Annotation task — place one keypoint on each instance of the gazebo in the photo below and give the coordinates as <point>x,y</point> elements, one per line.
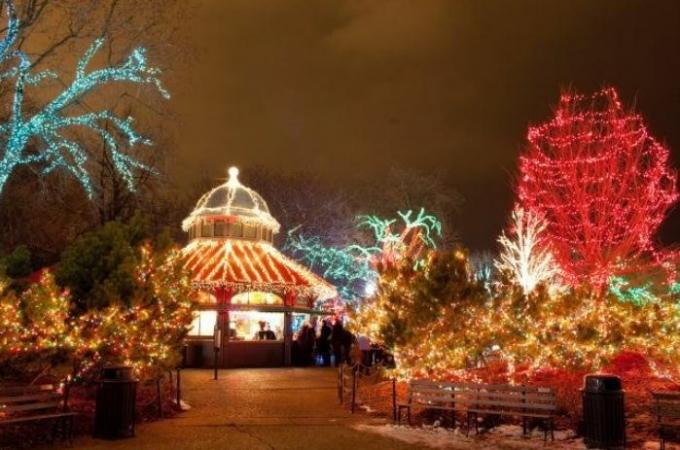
<point>250,297</point>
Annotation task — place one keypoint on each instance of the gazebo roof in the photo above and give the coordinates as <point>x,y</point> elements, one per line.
<point>251,265</point>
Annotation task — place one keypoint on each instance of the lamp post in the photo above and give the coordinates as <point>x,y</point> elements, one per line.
<point>217,344</point>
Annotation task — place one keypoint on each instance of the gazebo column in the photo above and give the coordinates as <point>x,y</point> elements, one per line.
<point>287,337</point>
<point>224,296</point>
<point>289,302</point>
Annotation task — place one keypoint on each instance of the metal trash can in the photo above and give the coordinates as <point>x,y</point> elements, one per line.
<point>116,398</point>
<point>603,412</point>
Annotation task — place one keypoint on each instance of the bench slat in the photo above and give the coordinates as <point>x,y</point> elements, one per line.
<point>38,417</point>
<point>482,388</point>
<point>529,401</point>
<point>522,398</point>
<point>27,389</point>
<point>28,398</point>
<point>666,404</point>
<point>514,413</point>
<point>30,406</point>
<point>466,395</point>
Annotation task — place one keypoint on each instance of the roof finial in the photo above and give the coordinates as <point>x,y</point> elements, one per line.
<point>233,176</point>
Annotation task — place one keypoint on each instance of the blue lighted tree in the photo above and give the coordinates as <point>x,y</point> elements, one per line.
<point>38,137</point>
<point>354,269</point>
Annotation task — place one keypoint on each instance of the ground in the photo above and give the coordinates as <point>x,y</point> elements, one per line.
<point>256,409</point>
<point>287,409</point>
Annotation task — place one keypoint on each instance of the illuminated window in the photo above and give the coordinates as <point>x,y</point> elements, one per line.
<point>235,230</point>
<point>250,231</point>
<point>206,229</point>
<point>203,323</point>
<point>255,326</point>
<point>204,297</point>
<point>256,298</point>
<point>219,228</point>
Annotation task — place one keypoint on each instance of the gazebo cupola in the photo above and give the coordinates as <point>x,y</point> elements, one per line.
<point>231,210</point>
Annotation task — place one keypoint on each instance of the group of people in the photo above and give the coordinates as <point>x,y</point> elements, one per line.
<point>310,348</point>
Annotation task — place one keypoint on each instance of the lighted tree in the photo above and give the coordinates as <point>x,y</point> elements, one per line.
<point>525,254</point>
<point>348,269</point>
<point>34,326</point>
<point>41,136</point>
<point>147,335</point>
<point>601,181</point>
<point>354,269</point>
<point>391,245</point>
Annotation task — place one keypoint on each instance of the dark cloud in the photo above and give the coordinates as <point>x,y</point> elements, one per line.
<point>349,88</point>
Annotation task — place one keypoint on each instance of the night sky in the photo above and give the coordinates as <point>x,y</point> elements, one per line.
<point>350,88</point>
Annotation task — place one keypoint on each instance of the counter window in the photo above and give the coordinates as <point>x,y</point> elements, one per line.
<point>255,326</point>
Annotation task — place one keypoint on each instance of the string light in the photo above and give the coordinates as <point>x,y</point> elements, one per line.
<point>148,335</point>
<point>600,180</point>
<point>235,263</point>
<point>46,127</point>
<point>525,254</point>
<point>440,323</point>
<point>233,199</point>
<point>355,267</point>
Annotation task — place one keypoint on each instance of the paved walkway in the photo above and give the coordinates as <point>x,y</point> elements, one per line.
<point>256,409</point>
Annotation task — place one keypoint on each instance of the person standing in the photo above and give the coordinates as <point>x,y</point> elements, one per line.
<point>323,343</point>
<point>338,340</point>
<point>309,339</point>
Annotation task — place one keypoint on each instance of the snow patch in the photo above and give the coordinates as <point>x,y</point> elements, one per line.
<point>503,436</point>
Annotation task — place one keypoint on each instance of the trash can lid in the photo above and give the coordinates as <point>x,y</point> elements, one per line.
<point>602,383</point>
<point>116,373</point>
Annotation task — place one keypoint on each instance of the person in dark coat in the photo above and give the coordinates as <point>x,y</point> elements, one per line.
<point>347,342</point>
<point>323,343</point>
<point>305,345</point>
<point>310,340</point>
<point>338,341</point>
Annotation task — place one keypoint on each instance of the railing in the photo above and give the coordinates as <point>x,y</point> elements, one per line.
<point>353,376</point>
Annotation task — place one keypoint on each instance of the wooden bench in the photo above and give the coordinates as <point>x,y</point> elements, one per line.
<point>527,402</point>
<point>36,403</point>
<point>428,394</point>
<point>666,408</point>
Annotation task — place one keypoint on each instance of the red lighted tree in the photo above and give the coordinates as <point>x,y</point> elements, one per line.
<point>601,181</point>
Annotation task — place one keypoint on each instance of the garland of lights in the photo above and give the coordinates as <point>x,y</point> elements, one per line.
<point>346,269</point>
<point>467,329</point>
<point>601,181</point>
<point>354,269</point>
<point>646,292</point>
<point>45,127</point>
<point>147,336</point>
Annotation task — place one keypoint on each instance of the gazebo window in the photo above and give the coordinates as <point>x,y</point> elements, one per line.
<point>206,229</point>
<point>205,298</point>
<point>250,231</point>
<point>256,298</point>
<point>203,323</point>
<point>235,230</point>
<point>219,228</point>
